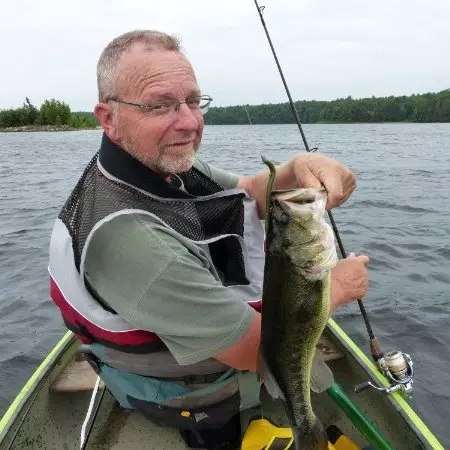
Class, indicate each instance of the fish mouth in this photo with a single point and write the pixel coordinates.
(300, 197)
(309, 240)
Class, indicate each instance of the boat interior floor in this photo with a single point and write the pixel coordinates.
(55, 412)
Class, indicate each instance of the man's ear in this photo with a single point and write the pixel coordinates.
(104, 115)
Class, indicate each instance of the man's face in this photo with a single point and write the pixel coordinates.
(166, 143)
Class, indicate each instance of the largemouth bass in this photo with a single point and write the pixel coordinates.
(300, 251)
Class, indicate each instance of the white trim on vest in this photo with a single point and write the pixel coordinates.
(71, 283)
(219, 194)
(64, 273)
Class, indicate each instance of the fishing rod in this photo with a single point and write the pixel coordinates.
(391, 364)
(376, 350)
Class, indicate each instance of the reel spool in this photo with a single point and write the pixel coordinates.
(398, 369)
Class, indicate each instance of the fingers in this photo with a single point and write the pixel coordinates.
(364, 259)
(335, 191)
(318, 170)
(349, 280)
(338, 190)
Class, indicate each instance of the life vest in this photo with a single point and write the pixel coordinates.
(222, 225)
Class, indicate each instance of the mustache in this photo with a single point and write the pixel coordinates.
(182, 138)
(179, 142)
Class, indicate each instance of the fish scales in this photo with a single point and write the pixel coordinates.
(300, 251)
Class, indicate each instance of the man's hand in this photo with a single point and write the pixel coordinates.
(304, 170)
(348, 280)
(315, 170)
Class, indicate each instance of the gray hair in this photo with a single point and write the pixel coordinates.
(107, 64)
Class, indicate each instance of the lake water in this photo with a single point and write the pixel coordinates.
(399, 215)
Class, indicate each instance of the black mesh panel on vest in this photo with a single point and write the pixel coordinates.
(96, 196)
(196, 183)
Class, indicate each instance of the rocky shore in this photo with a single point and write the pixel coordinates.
(34, 128)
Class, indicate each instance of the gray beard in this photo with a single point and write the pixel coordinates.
(164, 163)
(170, 164)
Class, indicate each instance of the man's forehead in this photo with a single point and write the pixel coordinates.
(142, 57)
(142, 68)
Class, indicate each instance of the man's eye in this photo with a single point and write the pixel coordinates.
(194, 101)
(160, 106)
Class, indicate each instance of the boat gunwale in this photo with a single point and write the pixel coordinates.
(411, 418)
(33, 383)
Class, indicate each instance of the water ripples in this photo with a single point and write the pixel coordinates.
(399, 215)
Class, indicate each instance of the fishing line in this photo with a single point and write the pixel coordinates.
(248, 115)
(374, 345)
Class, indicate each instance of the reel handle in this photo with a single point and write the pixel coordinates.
(361, 387)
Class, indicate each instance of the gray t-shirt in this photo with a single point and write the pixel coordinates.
(155, 282)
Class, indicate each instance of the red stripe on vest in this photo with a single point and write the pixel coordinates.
(256, 305)
(73, 317)
(122, 338)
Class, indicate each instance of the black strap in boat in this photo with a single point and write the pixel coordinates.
(279, 444)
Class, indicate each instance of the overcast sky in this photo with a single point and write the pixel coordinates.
(327, 48)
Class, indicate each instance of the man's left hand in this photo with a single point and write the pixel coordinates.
(304, 170)
(316, 170)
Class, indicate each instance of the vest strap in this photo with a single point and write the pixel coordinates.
(249, 389)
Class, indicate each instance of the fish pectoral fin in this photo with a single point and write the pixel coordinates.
(268, 379)
(321, 375)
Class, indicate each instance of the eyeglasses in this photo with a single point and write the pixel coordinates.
(160, 108)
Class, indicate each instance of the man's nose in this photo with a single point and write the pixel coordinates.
(187, 119)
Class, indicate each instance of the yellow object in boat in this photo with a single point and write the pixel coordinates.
(339, 440)
(263, 435)
(344, 443)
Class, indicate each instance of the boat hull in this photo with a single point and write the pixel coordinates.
(41, 417)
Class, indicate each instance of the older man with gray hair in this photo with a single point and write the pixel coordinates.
(156, 258)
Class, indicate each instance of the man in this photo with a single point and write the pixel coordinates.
(156, 258)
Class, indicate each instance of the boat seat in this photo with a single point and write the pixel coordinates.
(77, 376)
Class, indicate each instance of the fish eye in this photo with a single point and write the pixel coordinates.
(284, 219)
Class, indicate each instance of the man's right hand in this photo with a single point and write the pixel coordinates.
(348, 280)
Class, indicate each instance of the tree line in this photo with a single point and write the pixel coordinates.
(51, 112)
(431, 107)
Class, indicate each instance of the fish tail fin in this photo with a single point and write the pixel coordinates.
(314, 439)
(270, 182)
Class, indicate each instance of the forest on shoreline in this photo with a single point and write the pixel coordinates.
(431, 107)
(52, 115)
(55, 115)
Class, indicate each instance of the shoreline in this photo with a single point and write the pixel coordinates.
(58, 128)
(35, 128)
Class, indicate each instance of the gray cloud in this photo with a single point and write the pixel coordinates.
(327, 49)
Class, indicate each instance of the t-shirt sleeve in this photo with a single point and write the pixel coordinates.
(226, 179)
(153, 281)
